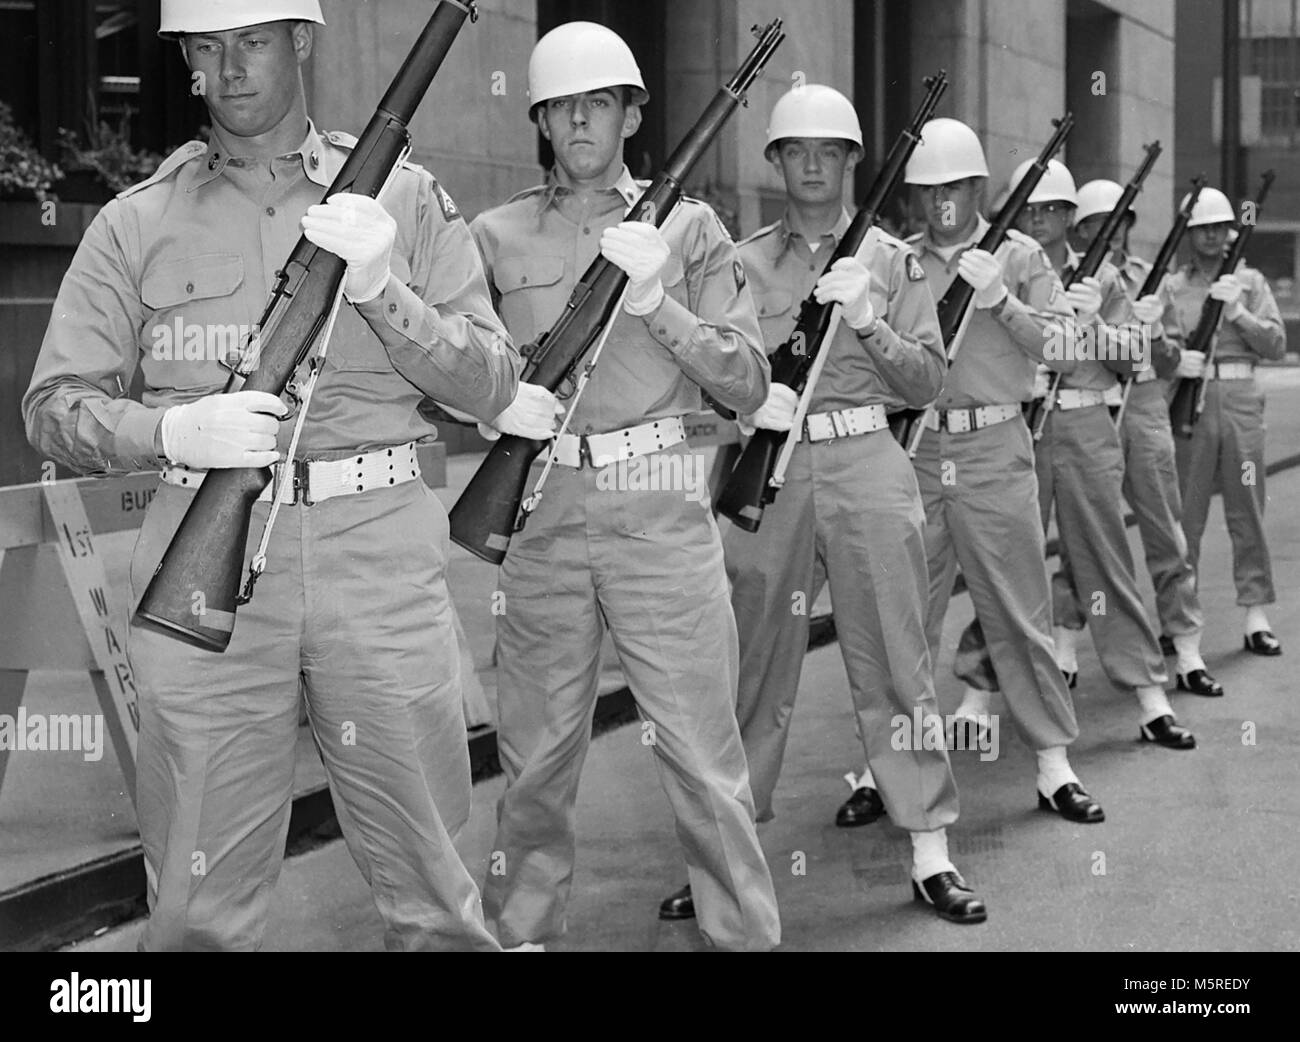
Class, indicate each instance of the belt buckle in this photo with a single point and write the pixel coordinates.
(301, 483)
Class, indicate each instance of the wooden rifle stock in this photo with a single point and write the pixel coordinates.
(1188, 402)
(749, 488)
(956, 301)
(195, 590)
(487, 513)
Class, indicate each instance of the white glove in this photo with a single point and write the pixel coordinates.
(530, 415)
(1191, 365)
(1042, 381)
(224, 430)
(1227, 288)
(640, 250)
(982, 270)
(1149, 309)
(361, 231)
(1085, 299)
(775, 414)
(848, 283)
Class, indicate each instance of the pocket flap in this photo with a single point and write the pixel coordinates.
(174, 281)
(774, 302)
(512, 273)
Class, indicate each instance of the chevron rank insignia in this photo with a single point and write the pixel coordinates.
(915, 273)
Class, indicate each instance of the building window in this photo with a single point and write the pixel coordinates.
(1270, 51)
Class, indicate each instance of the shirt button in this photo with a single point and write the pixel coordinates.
(586, 231)
(270, 211)
(189, 287)
(663, 331)
(392, 309)
(406, 323)
(315, 160)
(523, 280)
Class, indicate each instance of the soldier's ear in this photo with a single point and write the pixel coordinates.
(543, 121)
(303, 39)
(631, 120)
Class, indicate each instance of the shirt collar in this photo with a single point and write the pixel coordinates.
(311, 153)
(625, 186)
(784, 233)
(927, 241)
(1072, 258)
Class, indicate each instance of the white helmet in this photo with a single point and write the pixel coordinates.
(948, 151)
(577, 57)
(1212, 207)
(1099, 197)
(813, 111)
(179, 17)
(1055, 186)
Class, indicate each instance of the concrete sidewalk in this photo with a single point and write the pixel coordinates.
(1195, 853)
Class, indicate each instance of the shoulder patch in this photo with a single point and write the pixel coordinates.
(915, 273)
(450, 211)
(189, 150)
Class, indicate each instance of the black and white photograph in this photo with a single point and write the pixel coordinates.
(649, 475)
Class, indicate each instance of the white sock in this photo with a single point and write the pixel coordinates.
(1256, 620)
(1154, 701)
(975, 703)
(930, 854)
(1054, 770)
(1188, 646)
(1067, 647)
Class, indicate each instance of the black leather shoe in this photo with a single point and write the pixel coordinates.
(948, 893)
(862, 808)
(1199, 682)
(1071, 678)
(1262, 642)
(1167, 648)
(680, 905)
(1163, 731)
(1073, 803)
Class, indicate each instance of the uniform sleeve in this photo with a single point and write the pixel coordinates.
(906, 344)
(1035, 313)
(1260, 325)
(717, 343)
(440, 331)
(76, 409)
(1167, 351)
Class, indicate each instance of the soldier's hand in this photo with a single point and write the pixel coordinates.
(1042, 381)
(224, 430)
(848, 283)
(531, 415)
(1149, 309)
(775, 414)
(1191, 365)
(1228, 288)
(359, 230)
(982, 270)
(1085, 299)
(640, 250)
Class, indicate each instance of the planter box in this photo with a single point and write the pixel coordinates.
(21, 223)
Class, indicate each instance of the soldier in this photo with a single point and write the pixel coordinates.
(1227, 449)
(1150, 473)
(1080, 468)
(975, 462)
(849, 512)
(646, 565)
(195, 246)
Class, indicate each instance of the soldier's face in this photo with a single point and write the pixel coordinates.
(814, 168)
(586, 131)
(1046, 223)
(1086, 230)
(1208, 240)
(950, 209)
(250, 77)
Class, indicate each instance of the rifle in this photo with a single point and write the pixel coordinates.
(909, 424)
(195, 590)
(488, 511)
(1092, 260)
(1160, 266)
(752, 483)
(1188, 402)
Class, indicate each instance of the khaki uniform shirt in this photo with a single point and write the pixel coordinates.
(705, 334)
(1098, 374)
(900, 364)
(1257, 334)
(173, 273)
(1003, 346)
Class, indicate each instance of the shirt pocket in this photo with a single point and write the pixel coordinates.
(529, 298)
(354, 346)
(775, 316)
(195, 319)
